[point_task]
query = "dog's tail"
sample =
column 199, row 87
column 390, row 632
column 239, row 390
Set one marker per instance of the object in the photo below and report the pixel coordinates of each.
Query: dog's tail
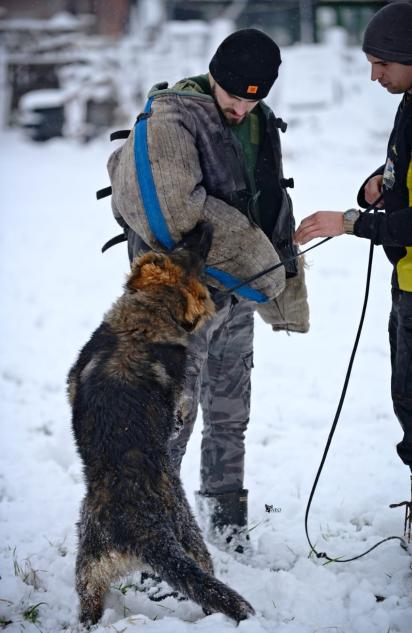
column 169, row 560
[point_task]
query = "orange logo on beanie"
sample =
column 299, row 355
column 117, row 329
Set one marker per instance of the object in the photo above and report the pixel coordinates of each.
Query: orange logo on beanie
column 252, row 90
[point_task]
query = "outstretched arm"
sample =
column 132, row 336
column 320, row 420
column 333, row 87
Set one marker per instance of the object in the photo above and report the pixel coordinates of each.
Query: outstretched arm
column 319, row 224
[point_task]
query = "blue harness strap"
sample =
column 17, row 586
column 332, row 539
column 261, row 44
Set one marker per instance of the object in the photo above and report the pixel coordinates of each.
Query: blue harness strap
column 227, row 280
column 147, row 187
column 154, row 213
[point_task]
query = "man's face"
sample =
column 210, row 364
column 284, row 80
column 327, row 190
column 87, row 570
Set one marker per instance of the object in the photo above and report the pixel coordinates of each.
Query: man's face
column 395, row 77
column 234, row 108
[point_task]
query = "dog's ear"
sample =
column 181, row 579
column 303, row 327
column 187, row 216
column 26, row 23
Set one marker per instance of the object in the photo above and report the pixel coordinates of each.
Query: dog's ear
column 152, row 269
column 199, row 305
column 148, row 258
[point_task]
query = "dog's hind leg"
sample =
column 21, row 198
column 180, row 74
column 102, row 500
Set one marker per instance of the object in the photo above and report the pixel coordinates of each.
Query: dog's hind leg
column 97, row 564
column 94, row 574
column 94, row 569
column 93, row 577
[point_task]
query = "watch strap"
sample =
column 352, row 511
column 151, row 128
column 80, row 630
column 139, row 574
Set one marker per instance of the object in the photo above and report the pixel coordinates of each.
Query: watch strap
column 349, row 218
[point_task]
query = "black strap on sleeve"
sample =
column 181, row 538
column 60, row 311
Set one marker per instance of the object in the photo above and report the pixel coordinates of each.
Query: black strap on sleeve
column 118, row 239
column 287, row 183
column 103, row 193
column 114, row 136
column 280, row 123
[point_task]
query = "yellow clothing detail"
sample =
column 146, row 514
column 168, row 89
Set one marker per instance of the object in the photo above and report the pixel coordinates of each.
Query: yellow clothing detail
column 409, row 181
column 404, row 265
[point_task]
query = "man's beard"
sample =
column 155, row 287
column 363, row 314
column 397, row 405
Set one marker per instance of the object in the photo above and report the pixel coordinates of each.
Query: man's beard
column 228, row 114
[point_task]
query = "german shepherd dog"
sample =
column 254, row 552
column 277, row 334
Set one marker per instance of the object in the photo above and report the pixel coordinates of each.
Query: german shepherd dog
column 124, row 390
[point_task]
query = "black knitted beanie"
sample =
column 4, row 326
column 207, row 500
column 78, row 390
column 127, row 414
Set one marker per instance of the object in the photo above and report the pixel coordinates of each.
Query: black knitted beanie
column 388, row 35
column 246, row 64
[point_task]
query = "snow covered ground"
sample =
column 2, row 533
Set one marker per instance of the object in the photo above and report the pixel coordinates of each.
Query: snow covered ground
column 55, row 287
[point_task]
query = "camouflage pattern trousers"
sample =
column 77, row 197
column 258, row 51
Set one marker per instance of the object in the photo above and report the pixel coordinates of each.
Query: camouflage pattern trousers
column 220, row 360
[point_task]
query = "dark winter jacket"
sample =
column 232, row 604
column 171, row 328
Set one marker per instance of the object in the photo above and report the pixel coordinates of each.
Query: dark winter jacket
column 393, row 228
column 181, row 164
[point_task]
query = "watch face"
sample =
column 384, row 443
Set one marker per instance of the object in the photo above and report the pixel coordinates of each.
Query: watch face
column 351, row 214
column 349, row 218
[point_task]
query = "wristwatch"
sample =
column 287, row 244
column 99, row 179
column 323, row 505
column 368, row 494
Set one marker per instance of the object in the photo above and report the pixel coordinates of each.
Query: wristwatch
column 349, row 218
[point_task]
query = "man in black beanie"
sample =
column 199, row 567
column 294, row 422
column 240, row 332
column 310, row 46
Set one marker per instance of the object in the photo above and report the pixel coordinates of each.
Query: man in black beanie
column 244, row 67
column 209, row 148
column 388, row 47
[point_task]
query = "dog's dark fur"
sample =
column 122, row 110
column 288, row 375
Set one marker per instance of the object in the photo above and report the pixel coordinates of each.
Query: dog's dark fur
column 124, row 391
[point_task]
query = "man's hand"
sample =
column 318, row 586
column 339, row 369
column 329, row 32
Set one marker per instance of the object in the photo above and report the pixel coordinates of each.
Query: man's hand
column 319, row 224
column 373, row 190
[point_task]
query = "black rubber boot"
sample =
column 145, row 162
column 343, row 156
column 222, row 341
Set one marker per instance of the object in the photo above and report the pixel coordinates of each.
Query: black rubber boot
column 225, row 516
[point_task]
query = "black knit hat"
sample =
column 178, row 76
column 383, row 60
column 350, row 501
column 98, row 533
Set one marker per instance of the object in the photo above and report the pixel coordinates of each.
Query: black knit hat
column 388, row 35
column 246, row 64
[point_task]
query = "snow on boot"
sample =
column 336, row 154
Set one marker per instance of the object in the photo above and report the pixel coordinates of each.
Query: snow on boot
column 223, row 518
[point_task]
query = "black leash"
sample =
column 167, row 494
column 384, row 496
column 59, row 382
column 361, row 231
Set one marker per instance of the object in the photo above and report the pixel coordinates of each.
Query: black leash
column 371, row 207
column 289, row 259
column 332, row 431
column 336, row 419
column 274, row 267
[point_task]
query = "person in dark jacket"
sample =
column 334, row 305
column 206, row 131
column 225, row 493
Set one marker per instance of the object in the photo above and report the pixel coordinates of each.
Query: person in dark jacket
column 388, row 47
column 209, row 148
